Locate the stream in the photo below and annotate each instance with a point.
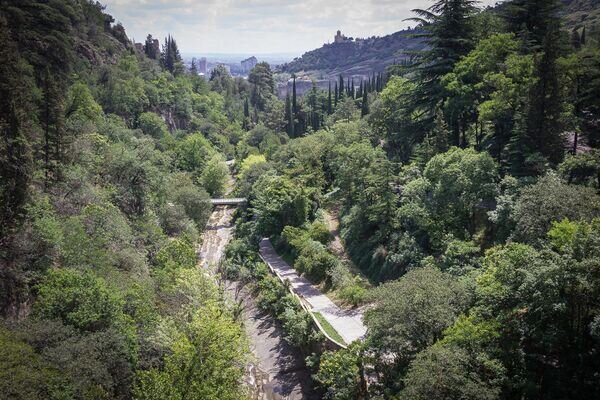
(276, 371)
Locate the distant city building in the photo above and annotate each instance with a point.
(248, 64)
(202, 66)
(156, 45)
(339, 38)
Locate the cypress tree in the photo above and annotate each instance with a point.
(582, 38)
(246, 122)
(341, 87)
(546, 103)
(314, 118)
(194, 68)
(329, 105)
(440, 132)
(246, 108)
(575, 39)
(170, 54)
(289, 118)
(337, 95)
(348, 87)
(364, 109)
(149, 48)
(294, 103)
(352, 92)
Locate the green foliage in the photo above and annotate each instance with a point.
(25, 375)
(580, 240)
(194, 199)
(582, 168)
(178, 253)
(315, 261)
(215, 176)
(263, 85)
(411, 313)
(551, 200)
(78, 299)
(153, 125)
(193, 153)
(206, 361)
(278, 203)
(81, 104)
(339, 373)
(124, 93)
(392, 118)
(354, 294)
(251, 160)
(449, 373)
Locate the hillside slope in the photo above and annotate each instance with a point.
(366, 56)
(356, 57)
(579, 13)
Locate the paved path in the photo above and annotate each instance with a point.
(348, 323)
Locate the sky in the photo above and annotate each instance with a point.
(261, 26)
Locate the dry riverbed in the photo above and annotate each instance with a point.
(277, 371)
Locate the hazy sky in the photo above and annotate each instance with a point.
(260, 26)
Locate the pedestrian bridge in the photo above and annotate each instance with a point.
(228, 202)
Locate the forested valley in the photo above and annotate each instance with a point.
(453, 199)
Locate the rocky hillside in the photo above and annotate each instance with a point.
(579, 13)
(356, 57)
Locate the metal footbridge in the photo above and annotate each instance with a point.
(236, 201)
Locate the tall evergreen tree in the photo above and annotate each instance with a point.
(364, 109)
(337, 95)
(582, 39)
(546, 103)
(289, 117)
(538, 24)
(294, 100)
(575, 39)
(149, 48)
(341, 86)
(246, 114)
(263, 85)
(170, 56)
(450, 35)
(531, 20)
(329, 104)
(194, 68)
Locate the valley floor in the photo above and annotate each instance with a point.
(277, 371)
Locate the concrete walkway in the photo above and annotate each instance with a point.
(348, 323)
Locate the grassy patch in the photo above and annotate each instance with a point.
(330, 330)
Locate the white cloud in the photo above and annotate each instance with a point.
(261, 26)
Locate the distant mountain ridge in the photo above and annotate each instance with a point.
(363, 57)
(359, 57)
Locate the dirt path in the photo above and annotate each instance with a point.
(336, 245)
(277, 371)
